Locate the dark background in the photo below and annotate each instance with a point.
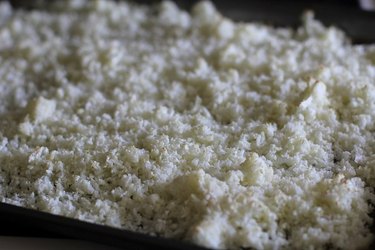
(345, 14)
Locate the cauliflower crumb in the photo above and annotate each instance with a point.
(41, 109)
(188, 125)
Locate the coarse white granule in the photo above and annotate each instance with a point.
(188, 125)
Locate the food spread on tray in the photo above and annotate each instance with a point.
(188, 125)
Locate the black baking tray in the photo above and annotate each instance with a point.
(358, 25)
(44, 224)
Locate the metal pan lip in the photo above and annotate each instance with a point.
(73, 228)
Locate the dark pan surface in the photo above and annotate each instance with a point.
(33, 221)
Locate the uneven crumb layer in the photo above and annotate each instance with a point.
(188, 125)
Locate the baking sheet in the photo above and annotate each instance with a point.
(360, 27)
(31, 220)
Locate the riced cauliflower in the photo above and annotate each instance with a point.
(188, 125)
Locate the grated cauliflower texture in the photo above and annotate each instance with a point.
(188, 125)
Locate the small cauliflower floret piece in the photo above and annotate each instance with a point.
(41, 109)
(256, 171)
(315, 95)
(231, 55)
(209, 232)
(225, 29)
(239, 220)
(200, 184)
(171, 15)
(341, 194)
(205, 12)
(83, 185)
(26, 127)
(314, 101)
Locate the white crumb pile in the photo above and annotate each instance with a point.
(188, 125)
